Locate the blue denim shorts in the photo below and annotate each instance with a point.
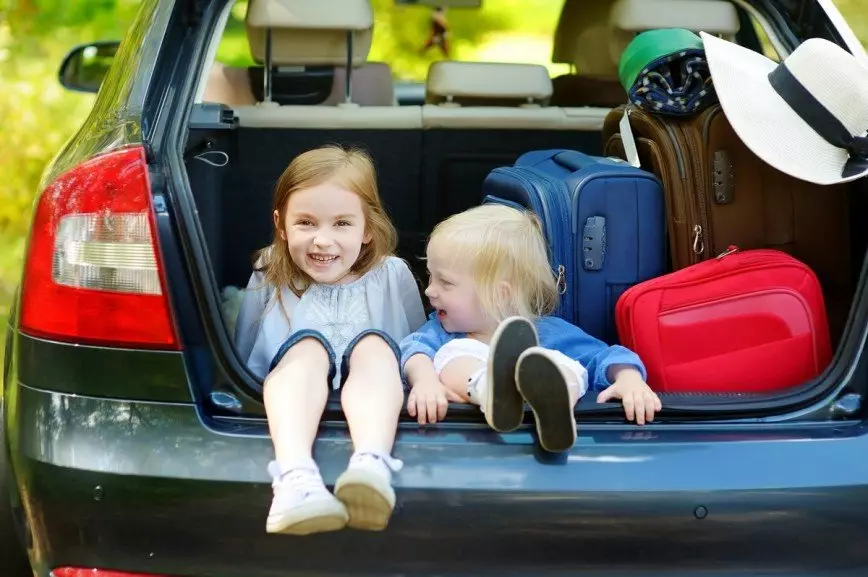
(345, 360)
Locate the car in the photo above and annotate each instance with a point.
(133, 439)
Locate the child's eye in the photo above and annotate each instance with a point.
(303, 222)
(343, 223)
(445, 282)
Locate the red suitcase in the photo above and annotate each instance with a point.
(751, 321)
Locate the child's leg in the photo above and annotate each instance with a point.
(461, 364)
(372, 398)
(295, 393)
(373, 394)
(487, 373)
(574, 373)
(552, 384)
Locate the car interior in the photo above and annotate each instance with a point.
(433, 143)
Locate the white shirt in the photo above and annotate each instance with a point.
(385, 298)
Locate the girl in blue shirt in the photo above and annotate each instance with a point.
(324, 309)
(491, 340)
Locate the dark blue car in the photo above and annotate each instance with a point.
(133, 440)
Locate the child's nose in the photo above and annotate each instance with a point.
(321, 239)
(429, 291)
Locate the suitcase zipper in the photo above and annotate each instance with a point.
(753, 259)
(557, 237)
(701, 230)
(700, 226)
(706, 126)
(704, 180)
(679, 157)
(677, 205)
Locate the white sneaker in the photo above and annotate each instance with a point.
(302, 505)
(365, 488)
(542, 381)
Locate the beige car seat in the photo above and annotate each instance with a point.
(303, 34)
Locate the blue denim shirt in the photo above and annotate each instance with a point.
(554, 333)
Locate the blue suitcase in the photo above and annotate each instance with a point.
(604, 221)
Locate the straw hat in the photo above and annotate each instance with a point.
(806, 116)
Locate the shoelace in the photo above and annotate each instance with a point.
(302, 479)
(392, 464)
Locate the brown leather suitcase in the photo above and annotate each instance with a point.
(718, 193)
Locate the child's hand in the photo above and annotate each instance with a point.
(429, 399)
(637, 397)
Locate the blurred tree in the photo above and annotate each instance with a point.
(30, 22)
(401, 31)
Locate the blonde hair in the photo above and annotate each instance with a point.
(349, 168)
(500, 244)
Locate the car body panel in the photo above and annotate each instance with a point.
(145, 375)
(151, 485)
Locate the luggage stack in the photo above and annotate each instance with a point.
(603, 220)
(723, 273)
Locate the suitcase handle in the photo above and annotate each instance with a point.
(574, 161)
(491, 199)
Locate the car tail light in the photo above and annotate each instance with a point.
(80, 572)
(93, 272)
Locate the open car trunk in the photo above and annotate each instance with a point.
(424, 176)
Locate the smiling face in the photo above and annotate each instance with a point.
(324, 228)
(453, 294)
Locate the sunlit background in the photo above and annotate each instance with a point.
(37, 115)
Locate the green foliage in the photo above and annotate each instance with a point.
(856, 13)
(40, 26)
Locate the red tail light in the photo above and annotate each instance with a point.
(93, 272)
(78, 572)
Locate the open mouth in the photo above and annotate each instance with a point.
(322, 259)
(441, 314)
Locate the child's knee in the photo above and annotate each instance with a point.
(575, 375)
(372, 349)
(308, 348)
(302, 362)
(460, 348)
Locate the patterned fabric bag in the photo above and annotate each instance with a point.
(666, 72)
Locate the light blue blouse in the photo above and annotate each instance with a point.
(385, 298)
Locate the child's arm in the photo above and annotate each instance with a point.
(614, 371)
(428, 399)
(425, 341)
(399, 311)
(602, 361)
(250, 315)
(637, 397)
(410, 298)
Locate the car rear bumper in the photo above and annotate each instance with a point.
(152, 488)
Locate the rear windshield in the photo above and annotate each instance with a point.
(499, 31)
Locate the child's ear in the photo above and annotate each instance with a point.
(504, 291)
(277, 226)
(369, 236)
